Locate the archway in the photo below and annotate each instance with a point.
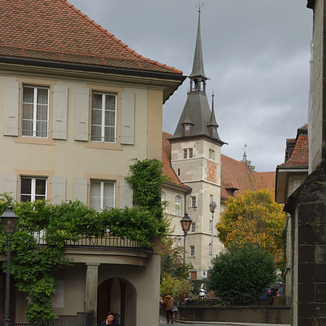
(117, 295)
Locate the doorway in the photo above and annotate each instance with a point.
(119, 296)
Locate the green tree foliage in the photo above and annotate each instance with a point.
(242, 272)
(33, 263)
(253, 218)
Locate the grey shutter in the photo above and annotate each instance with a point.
(11, 106)
(126, 194)
(81, 114)
(127, 118)
(60, 112)
(9, 184)
(80, 189)
(58, 189)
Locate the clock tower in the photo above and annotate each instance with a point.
(196, 159)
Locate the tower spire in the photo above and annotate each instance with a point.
(197, 75)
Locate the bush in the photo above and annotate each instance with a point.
(242, 272)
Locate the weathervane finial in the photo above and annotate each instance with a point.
(200, 5)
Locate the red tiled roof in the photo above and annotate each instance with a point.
(236, 173)
(54, 30)
(300, 155)
(166, 159)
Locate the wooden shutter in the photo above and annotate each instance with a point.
(11, 107)
(58, 189)
(80, 189)
(9, 184)
(126, 194)
(127, 118)
(60, 112)
(81, 114)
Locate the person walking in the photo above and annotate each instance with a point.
(168, 303)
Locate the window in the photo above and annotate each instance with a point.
(178, 205)
(193, 201)
(103, 117)
(102, 194)
(193, 227)
(32, 189)
(192, 250)
(211, 198)
(35, 114)
(210, 249)
(163, 201)
(190, 152)
(212, 154)
(178, 172)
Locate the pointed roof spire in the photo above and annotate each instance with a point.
(212, 120)
(198, 64)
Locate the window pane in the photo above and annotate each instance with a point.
(24, 198)
(26, 186)
(108, 200)
(95, 189)
(27, 111)
(97, 101)
(27, 128)
(96, 117)
(41, 128)
(42, 96)
(109, 118)
(110, 102)
(96, 133)
(109, 134)
(28, 95)
(40, 187)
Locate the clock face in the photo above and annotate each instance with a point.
(211, 172)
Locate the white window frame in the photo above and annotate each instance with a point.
(193, 227)
(33, 194)
(102, 125)
(193, 201)
(178, 201)
(192, 250)
(102, 188)
(34, 119)
(185, 153)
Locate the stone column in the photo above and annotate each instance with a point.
(91, 290)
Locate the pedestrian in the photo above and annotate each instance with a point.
(110, 320)
(168, 303)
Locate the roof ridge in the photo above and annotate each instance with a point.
(125, 46)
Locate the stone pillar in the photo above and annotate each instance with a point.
(91, 290)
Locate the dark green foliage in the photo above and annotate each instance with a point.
(242, 272)
(146, 181)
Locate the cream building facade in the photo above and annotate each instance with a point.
(77, 106)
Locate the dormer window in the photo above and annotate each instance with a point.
(187, 129)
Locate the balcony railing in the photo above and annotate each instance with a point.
(105, 241)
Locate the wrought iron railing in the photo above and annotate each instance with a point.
(105, 241)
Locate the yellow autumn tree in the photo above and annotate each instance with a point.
(253, 218)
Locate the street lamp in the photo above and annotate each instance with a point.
(9, 221)
(185, 225)
(212, 207)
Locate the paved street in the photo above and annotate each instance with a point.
(176, 323)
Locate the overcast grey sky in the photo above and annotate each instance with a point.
(256, 54)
